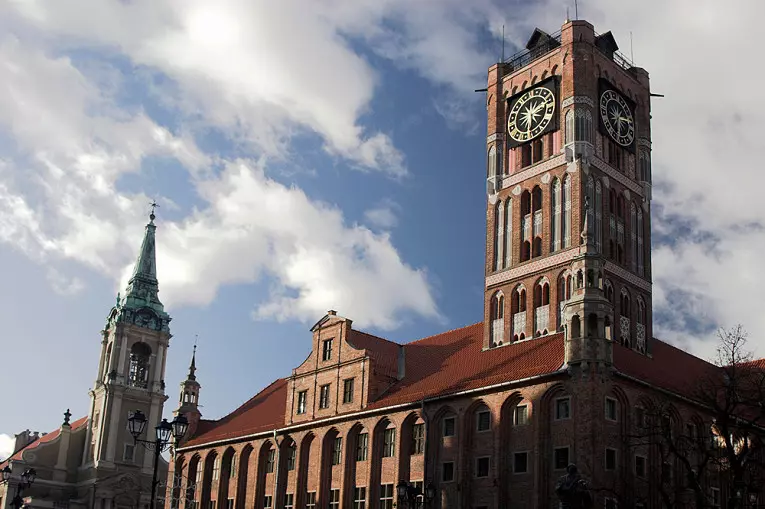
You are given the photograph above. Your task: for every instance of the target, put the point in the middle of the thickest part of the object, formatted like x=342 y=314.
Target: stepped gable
x=44 y=439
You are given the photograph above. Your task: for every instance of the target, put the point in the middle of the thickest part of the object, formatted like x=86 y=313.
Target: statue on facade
x=572 y=490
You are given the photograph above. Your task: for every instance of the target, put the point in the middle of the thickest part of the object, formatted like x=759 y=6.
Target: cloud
x=318 y=261
x=62 y=284
x=6 y=446
x=384 y=215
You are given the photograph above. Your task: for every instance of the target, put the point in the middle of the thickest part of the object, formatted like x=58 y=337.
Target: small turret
x=188 y=401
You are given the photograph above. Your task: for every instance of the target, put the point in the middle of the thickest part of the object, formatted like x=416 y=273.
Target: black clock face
x=531 y=114
x=617 y=118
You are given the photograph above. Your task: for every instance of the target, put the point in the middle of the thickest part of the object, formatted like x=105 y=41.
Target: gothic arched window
x=640 y=252
x=633 y=237
x=598 y=217
x=498 y=231
x=556 y=211
x=508 y=237
x=566 y=223
x=138 y=374
x=497 y=316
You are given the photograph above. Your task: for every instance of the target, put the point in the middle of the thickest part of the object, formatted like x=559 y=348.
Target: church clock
x=531 y=113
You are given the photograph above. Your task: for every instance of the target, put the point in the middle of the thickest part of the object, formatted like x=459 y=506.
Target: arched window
x=644 y=167
x=498 y=233
x=556 y=210
x=598 y=217
x=518 y=309
x=536 y=209
x=566 y=224
x=541 y=307
x=508 y=237
x=138 y=374
x=570 y=126
x=633 y=237
x=492 y=163
x=608 y=290
x=625 y=335
x=564 y=294
x=640 y=252
x=576 y=327
x=497 y=315
x=641 y=319
x=592 y=326
x=526 y=220
x=591 y=205
x=583 y=125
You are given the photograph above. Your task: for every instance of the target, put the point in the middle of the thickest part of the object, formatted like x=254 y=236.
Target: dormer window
x=326 y=350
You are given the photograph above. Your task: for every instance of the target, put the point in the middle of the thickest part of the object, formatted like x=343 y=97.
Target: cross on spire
x=153 y=206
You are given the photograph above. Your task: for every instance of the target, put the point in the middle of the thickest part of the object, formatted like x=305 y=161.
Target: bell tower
x=131 y=368
x=568 y=196
x=188 y=400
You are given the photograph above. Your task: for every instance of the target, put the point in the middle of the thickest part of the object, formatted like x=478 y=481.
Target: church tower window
x=633 y=237
x=507 y=248
x=138 y=375
x=625 y=333
x=556 y=210
x=640 y=247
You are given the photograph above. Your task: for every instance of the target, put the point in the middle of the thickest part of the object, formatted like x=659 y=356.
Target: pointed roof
x=193 y=366
x=140 y=304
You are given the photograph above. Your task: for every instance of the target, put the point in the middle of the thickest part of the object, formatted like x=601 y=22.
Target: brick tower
x=568 y=185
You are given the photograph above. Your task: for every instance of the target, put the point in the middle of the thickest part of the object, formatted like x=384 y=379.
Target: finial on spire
x=586 y=224
x=67 y=416
x=118 y=298
x=153 y=205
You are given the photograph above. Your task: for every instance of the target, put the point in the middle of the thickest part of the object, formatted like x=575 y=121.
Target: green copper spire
x=140 y=305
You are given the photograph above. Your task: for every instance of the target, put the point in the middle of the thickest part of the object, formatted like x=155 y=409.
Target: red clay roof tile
x=16 y=456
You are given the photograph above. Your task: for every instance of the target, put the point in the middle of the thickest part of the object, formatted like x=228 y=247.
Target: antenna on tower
x=632 y=55
x=576 y=9
x=503 y=42
x=568 y=18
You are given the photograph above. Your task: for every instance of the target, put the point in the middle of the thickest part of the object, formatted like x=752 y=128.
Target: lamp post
x=26 y=480
x=408 y=493
x=163 y=434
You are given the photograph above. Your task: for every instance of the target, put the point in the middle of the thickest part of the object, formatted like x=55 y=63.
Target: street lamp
x=163 y=434
x=408 y=493
x=27 y=479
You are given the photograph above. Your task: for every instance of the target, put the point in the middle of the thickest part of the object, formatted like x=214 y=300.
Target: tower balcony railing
x=519 y=323
x=525 y=57
x=498 y=331
x=542 y=319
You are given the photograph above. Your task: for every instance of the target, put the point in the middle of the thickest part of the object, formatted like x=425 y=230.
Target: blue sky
x=322 y=156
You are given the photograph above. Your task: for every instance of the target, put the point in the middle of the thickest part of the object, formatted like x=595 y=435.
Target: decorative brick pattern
x=532 y=267
x=628 y=276
x=533 y=171
x=577 y=99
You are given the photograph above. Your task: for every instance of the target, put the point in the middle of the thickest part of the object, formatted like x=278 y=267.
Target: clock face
x=531 y=114
x=617 y=118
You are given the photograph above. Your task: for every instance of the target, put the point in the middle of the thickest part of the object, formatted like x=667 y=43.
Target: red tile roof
x=16 y=456
x=434 y=366
x=453 y=362
x=263 y=412
x=668 y=367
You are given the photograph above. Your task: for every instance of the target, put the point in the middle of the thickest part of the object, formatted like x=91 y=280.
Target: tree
x=718 y=450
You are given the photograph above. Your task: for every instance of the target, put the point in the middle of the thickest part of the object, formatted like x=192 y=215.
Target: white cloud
x=6 y=445
x=384 y=214
x=63 y=284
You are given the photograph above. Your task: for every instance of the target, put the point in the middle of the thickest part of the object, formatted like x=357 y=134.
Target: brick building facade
x=558 y=371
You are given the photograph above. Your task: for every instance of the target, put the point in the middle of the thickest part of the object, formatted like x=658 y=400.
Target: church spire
x=140 y=303
x=193 y=366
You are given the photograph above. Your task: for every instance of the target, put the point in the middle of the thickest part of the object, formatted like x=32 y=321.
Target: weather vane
x=153 y=206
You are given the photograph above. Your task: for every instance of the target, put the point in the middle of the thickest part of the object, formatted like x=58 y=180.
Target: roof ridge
x=689 y=354
x=376 y=337
x=445 y=332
